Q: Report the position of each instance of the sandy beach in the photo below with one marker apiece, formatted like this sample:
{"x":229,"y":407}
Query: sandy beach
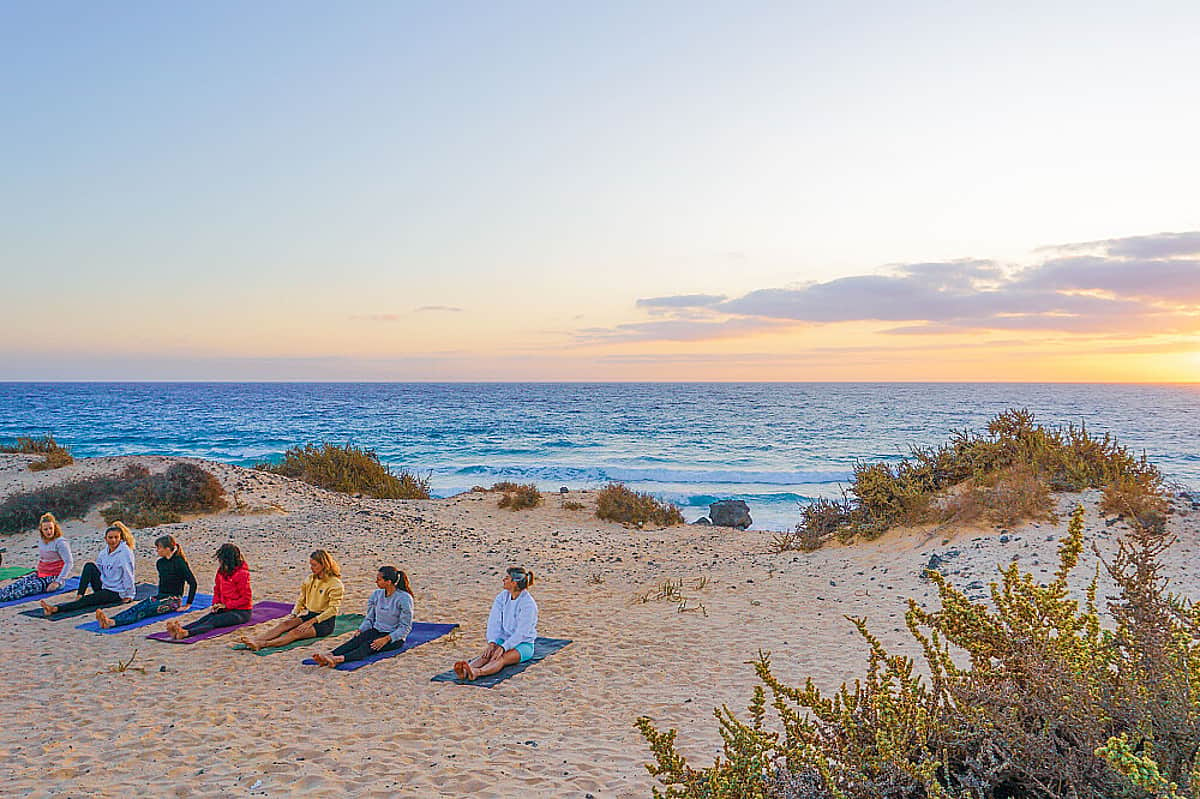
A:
{"x":204,"y":720}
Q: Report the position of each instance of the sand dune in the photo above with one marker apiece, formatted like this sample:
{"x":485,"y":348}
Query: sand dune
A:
{"x":204,"y":720}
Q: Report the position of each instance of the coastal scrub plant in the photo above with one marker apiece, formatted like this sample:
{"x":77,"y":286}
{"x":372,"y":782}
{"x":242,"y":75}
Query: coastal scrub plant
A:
{"x":137,"y":496}
{"x":518,"y":496}
{"x":348,"y":470}
{"x":1002,"y":477}
{"x":53,"y":454}
{"x":1035,"y":695}
{"x":617,"y":503}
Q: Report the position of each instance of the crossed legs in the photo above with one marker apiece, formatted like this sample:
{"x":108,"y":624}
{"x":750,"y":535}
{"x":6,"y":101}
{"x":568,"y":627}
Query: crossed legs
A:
{"x":490,"y":660}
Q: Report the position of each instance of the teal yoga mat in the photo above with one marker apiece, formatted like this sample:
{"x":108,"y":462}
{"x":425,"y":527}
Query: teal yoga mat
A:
{"x":542,"y":648}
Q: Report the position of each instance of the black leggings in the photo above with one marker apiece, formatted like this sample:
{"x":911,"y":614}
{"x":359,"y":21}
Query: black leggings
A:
{"x":359,"y":646}
{"x":215,"y":619}
{"x":90,"y":578}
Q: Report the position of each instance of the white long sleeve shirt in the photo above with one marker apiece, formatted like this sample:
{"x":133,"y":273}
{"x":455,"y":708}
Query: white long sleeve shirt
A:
{"x":512,"y":621}
{"x":116,"y":570}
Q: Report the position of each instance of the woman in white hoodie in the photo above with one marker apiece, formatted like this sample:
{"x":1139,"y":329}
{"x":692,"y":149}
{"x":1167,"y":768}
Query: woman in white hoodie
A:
{"x":110,"y":576}
{"x":511,"y":628}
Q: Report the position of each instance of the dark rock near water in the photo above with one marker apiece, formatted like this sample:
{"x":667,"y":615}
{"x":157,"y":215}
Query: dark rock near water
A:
{"x":730,"y":513}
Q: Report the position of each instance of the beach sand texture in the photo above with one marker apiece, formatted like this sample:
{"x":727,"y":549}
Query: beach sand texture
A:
{"x":204,"y":720}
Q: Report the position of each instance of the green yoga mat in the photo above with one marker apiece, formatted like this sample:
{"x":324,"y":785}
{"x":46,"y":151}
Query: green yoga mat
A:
{"x":341,"y":625}
{"x":9,"y":572}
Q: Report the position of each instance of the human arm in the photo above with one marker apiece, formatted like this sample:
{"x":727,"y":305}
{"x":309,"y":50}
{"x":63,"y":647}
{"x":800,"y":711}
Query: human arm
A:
{"x":63,"y":548}
{"x":404,"y":623}
{"x":301,"y":606}
{"x":190,"y":580}
{"x":368,"y":621}
{"x":495,"y":624}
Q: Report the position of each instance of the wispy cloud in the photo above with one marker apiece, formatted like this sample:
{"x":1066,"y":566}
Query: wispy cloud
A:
{"x":396,"y":317}
{"x":439,"y":309}
{"x":1144,"y":285}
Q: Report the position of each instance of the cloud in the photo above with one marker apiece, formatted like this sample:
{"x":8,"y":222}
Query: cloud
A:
{"x":676,"y":330}
{"x":1139,"y":285}
{"x":1157,"y":245}
{"x":439,"y":308}
{"x":681,"y":301}
{"x":397,"y":317}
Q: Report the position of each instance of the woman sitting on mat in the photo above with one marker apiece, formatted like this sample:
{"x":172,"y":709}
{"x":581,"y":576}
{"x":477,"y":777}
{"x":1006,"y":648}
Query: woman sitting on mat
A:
{"x":232,"y":599}
{"x":173,"y":573}
{"x":110,"y":576}
{"x":53,"y":566}
{"x":387,"y":623}
{"x":511,"y":628}
{"x":320,"y":597}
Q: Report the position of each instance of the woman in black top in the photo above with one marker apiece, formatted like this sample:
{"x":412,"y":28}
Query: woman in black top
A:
{"x":173,"y":574}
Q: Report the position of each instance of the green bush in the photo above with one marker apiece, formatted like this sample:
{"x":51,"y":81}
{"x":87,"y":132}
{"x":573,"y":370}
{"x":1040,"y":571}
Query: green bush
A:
{"x":519,"y":496}
{"x":616,"y":503}
{"x":997,"y":475}
{"x":56,"y":456}
{"x":139,"y":498}
{"x":1033,"y":696}
{"x":348,"y":470}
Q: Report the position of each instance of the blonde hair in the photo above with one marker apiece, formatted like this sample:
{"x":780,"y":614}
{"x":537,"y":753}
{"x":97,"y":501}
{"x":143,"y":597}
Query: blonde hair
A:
{"x":329,"y":566}
{"x":49,"y":517}
{"x":126,"y":536}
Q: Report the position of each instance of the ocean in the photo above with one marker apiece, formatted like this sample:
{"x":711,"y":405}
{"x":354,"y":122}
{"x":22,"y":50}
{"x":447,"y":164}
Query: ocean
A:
{"x":774,"y":445}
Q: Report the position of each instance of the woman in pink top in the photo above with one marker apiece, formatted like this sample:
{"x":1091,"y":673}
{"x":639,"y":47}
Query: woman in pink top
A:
{"x":53,"y":566}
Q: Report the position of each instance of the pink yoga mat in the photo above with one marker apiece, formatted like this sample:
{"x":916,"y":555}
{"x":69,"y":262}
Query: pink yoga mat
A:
{"x":262,"y":611}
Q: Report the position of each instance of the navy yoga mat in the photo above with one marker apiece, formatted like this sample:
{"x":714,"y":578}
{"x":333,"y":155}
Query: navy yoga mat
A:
{"x":422,"y":633}
{"x":542,"y":647}
{"x":70,"y":585}
{"x":201,"y":602}
{"x":144,"y":591}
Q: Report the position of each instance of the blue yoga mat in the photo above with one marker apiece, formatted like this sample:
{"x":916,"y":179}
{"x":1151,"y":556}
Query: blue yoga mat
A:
{"x":201,"y":602}
{"x":144,"y":591}
{"x":70,"y":585}
{"x":422,"y":633}
{"x":542,"y":647}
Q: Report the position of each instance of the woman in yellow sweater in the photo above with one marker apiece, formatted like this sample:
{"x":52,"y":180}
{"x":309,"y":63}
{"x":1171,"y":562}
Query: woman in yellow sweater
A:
{"x":320,"y":597}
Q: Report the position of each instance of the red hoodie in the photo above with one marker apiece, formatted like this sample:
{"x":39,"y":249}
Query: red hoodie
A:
{"x":233,"y":591}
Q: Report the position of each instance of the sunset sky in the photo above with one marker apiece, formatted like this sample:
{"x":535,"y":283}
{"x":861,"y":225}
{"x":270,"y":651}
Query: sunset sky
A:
{"x":608,"y":191}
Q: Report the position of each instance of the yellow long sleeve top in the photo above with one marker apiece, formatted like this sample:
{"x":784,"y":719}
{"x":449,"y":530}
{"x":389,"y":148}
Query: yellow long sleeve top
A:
{"x":323,"y":597}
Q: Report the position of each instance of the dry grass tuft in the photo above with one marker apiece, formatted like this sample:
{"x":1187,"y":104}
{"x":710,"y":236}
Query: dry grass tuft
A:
{"x":518,"y":496}
{"x":616,"y":503}
{"x":55,"y":455}
{"x":348,"y":470}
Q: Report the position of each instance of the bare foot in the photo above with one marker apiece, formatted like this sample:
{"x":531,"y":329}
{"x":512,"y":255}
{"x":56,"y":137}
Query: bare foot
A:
{"x":47,"y":608}
{"x":104,"y":620}
{"x":252,"y":645}
{"x":470,"y":672}
{"x":176,"y":630}
{"x":335,"y":660}
{"x":321,"y":659}
{"x":460,"y":669}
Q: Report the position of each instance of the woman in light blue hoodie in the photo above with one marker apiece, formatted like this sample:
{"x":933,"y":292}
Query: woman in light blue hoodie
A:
{"x":110,"y":576}
{"x":511,"y":628}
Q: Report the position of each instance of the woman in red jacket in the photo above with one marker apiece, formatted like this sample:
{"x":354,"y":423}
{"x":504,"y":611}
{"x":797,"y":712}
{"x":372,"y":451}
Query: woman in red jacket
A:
{"x":232,"y":599}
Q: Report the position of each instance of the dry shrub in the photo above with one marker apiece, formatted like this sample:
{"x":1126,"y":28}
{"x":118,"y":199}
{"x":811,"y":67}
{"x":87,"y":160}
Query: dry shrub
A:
{"x":1034,"y":695}
{"x":996,"y":469}
{"x":162,"y":498}
{"x":521,"y":496}
{"x":55,"y":455}
{"x":139,"y":498}
{"x":819,"y":521}
{"x":1129,"y":496}
{"x":571,"y":504}
{"x":505,"y":485}
{"x":616,"y":503}
{"x":348,"y":470}
{"x":1003,"y":498}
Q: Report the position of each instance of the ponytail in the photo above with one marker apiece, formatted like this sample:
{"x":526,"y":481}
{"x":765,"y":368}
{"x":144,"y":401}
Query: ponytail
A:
{"x":521,"y":576}
{"x":126,"y":536}
{"x":169,"y":542}
{"x":397,"y":578}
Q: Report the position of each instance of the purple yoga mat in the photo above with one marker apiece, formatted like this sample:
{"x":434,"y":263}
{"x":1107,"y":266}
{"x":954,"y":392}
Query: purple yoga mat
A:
{"x":262,"y":611}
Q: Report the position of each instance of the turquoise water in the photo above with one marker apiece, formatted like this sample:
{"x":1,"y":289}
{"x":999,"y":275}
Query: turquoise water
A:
{"x":773,"y":444}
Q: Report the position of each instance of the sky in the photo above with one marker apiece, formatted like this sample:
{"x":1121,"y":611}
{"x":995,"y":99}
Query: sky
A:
{"x":610,"y":191}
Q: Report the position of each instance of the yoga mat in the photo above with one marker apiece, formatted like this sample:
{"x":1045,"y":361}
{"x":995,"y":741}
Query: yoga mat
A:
{"x":144,"y":591}
{"x":341,"y":625}
{"x":201,"y":602}
{"x":422,"y":633}
{"x":9,"y":572}
{"x":70,"y":585}
{"x":542,"y":647}
{"x":262,"y":611}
